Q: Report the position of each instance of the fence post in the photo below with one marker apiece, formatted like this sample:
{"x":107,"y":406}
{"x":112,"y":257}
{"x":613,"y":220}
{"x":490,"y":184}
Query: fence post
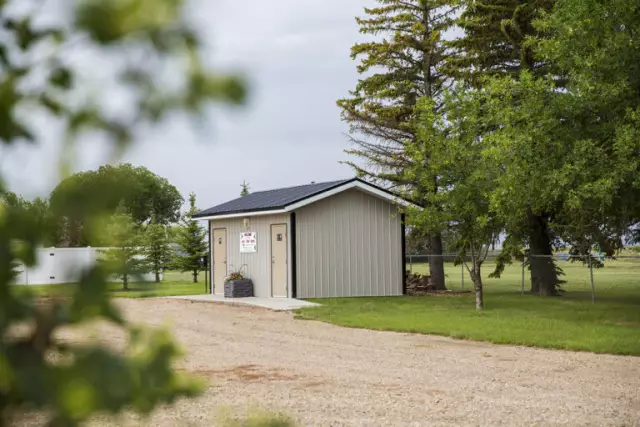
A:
{"x":522,"y":284}
{"x":593,"y":290}
{"x":206,"y":284}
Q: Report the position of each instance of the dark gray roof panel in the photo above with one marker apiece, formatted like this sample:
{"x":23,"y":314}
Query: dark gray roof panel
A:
{"x":271,"y":199}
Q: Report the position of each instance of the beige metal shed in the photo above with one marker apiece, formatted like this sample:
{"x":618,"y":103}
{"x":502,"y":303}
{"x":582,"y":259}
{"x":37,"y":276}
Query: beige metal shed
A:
{"x":334,"y":239}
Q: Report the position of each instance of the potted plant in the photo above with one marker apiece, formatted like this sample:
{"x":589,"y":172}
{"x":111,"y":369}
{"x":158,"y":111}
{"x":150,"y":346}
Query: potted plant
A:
{"x":236,"y":285}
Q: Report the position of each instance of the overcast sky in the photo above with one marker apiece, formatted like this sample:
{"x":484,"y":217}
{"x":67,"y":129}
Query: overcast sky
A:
{"x":295,"y":55}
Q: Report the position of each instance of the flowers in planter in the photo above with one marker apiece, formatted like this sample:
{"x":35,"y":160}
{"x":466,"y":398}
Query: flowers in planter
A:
{"x":234,"y":275}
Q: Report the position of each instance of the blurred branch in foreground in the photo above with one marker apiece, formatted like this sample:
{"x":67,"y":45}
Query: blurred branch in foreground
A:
{"x":66,"y":383}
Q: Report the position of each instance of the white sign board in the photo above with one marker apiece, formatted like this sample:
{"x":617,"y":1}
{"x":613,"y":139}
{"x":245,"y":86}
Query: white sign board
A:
{"x":248,"y":242}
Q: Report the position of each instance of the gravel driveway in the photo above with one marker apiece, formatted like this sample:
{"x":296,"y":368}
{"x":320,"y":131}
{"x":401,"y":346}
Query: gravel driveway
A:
{"x":324,"y":375}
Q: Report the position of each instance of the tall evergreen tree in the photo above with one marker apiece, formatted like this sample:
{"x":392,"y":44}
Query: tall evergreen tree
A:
{"x":191,"y":238}
{"x":499,"y":40}
{"x":245,"y":189}
{"x":408,"y":64}
{"x":156,"y":248}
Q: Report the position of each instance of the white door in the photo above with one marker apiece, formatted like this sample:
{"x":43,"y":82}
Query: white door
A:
{"x":279,"y":260}
{"x":219,"y":260}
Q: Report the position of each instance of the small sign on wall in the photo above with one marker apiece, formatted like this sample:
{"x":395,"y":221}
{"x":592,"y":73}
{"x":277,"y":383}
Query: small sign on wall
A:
{"x":248,"y":242}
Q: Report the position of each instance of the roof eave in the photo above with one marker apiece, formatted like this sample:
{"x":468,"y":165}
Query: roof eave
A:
{"x":241,"y":214}
{"x":354,"y":183}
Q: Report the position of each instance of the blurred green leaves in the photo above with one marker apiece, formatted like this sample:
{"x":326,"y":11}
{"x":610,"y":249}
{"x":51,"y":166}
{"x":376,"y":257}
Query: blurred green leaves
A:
{"x":111,"y":21}
{"x":68,"y":381}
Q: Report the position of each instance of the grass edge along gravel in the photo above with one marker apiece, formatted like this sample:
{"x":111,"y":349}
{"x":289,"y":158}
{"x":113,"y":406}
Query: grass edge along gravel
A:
{"x":557,"y":323}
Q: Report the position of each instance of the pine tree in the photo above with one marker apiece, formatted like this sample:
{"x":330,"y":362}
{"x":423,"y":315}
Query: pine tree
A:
{"x":125,"y":257}
{"x":409,"y":64}
{"x":156,"y":250}
{"x":191,"y":238}
{"x":500,"y":40}
{"x":497,"y":39}
{"x":245,"y":189}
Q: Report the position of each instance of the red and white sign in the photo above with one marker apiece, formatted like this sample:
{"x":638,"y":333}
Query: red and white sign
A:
{"x":248,"y":242}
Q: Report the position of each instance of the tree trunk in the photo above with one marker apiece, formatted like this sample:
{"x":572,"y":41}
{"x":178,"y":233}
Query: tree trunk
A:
{"x":476,"y":278}
{"x":544,"y":279}
{"x":125,"y":282}
{"x":436,"y":263}
{"x":157,"y":276}
{"x":195,"y":276}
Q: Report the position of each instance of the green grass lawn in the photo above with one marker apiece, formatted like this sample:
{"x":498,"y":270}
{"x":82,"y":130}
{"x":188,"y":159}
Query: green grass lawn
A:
{"x":174,"y":284}
{"x":611,"y":325}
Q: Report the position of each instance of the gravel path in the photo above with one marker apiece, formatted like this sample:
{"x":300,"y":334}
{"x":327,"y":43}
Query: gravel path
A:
{"x":324,"y":375}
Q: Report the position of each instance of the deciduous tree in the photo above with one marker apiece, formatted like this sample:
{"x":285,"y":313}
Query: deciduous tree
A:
{"x":595,"y":45}
{"x":143,"y":193}
{"x":500,"y":41}
{"x":463,"y":206}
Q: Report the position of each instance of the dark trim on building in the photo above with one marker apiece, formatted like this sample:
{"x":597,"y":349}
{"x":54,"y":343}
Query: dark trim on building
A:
{"x":403,"y":243}
{"x":294,"y":266}
{"x":210,"y":261}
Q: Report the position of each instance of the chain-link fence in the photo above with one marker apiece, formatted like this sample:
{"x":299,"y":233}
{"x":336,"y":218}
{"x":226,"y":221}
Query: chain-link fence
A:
{"x":589,"y":277}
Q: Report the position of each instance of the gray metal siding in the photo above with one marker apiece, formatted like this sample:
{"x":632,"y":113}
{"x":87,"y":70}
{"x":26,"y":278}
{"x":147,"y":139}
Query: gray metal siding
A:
{"x":257,"y":266}
{"x":348,"y":245}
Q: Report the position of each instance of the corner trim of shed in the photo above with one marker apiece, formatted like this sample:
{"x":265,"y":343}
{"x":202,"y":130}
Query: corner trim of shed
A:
{"x":403,"y":243}
{"x":292,"y":245}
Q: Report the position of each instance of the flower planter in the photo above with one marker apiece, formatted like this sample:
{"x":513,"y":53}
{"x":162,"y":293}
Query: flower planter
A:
{"x":238,"y":288}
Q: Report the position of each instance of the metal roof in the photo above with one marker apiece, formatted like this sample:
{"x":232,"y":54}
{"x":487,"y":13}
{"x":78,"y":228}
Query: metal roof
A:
{"x":271,"y":199}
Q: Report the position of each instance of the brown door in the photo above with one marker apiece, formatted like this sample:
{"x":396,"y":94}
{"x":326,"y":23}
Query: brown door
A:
{"x":279,"y":260}
{"x":219,"y":260}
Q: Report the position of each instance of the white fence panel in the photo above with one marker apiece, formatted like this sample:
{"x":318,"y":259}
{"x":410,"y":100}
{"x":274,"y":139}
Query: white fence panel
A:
{"x":63,"y":265}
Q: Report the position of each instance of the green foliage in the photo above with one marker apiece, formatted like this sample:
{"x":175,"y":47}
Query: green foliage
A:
{"x":500,"y":42}
{"x":68,"y":381}
{"x":191,"y":238}
{"x":39,"y":212}
{"x":465,"y":178}
{"x":143,"y":193}
{"x":596,"y":47}
{"x":569,"y":154}
{"x":80,"y":379}
{"x":126,"y":256}
{"x":497,"y":39}
{"x":409,"y":62}
{"x":245,"y":189}
{"x":156,"y":29}
{"x":398,"y":70}
{"x":156,"y":248}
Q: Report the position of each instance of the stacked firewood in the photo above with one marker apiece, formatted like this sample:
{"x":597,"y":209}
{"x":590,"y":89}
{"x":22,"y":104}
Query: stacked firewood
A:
{"x":418,"y":284}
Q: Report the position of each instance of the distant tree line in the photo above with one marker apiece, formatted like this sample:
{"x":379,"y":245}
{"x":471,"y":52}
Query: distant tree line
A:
{"x":137,"y":216}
